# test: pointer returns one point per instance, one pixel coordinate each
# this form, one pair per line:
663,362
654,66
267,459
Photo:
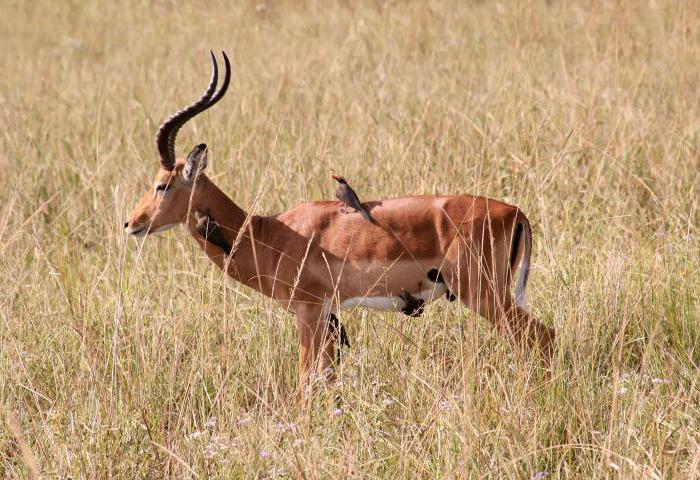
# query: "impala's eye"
162,187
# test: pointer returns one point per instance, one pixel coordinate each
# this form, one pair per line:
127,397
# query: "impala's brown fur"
313,257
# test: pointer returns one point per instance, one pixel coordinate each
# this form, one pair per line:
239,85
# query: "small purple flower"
211,423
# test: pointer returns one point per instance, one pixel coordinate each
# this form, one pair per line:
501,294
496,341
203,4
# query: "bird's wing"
356,203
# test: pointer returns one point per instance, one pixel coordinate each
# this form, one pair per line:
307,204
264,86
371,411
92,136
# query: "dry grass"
129,360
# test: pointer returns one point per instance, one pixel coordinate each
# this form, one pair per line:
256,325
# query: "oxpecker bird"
347,195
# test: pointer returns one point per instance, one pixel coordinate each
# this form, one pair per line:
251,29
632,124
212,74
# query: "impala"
316,260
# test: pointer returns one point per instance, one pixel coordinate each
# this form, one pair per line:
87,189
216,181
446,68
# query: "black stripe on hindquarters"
514,246
338,332
208,229
434,275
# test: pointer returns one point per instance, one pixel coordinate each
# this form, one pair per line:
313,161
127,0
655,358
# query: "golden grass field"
124,358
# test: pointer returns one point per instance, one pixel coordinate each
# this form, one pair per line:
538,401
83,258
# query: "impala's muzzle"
142,229
136,230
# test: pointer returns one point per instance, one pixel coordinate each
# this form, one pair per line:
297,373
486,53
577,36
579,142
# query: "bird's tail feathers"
366,214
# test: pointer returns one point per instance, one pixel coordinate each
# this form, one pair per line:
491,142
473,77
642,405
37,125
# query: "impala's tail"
522,249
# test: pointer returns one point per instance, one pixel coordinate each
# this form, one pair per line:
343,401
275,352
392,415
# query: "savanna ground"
124,358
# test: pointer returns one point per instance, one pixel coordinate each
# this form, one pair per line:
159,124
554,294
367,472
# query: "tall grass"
123,358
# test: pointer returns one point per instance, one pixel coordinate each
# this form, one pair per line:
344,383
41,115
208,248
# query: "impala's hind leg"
485,290
525,329
508,318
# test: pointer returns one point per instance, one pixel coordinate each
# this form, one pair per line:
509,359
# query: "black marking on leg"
413,306
434,275
414,312
339,334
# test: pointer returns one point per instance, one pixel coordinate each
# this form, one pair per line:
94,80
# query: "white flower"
622,391
277,471
242,421
539,475
285,427
298,442
196,434
264,454
217,446
657,381
338,411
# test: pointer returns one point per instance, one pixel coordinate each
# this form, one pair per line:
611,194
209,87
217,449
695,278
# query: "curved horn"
224,86
165,138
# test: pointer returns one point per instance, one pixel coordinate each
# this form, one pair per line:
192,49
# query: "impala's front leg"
316,347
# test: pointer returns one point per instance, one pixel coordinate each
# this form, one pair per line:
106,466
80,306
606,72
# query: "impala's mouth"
137,232
143,231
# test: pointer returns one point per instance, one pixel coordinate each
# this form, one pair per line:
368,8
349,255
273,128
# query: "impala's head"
166,203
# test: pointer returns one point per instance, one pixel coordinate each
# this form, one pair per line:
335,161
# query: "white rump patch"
521,295
521,300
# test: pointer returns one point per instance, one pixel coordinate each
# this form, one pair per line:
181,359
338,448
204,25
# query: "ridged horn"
167,132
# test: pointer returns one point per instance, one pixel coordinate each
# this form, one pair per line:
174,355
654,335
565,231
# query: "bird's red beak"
334,177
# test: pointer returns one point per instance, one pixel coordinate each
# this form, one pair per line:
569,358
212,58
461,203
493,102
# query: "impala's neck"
215,203
209,199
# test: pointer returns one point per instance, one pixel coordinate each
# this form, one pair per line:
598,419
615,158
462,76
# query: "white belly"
395,303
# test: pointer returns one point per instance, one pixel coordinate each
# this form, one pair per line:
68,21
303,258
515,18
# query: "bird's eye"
162,187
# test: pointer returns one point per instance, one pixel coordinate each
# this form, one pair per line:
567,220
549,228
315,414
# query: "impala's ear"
196,162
